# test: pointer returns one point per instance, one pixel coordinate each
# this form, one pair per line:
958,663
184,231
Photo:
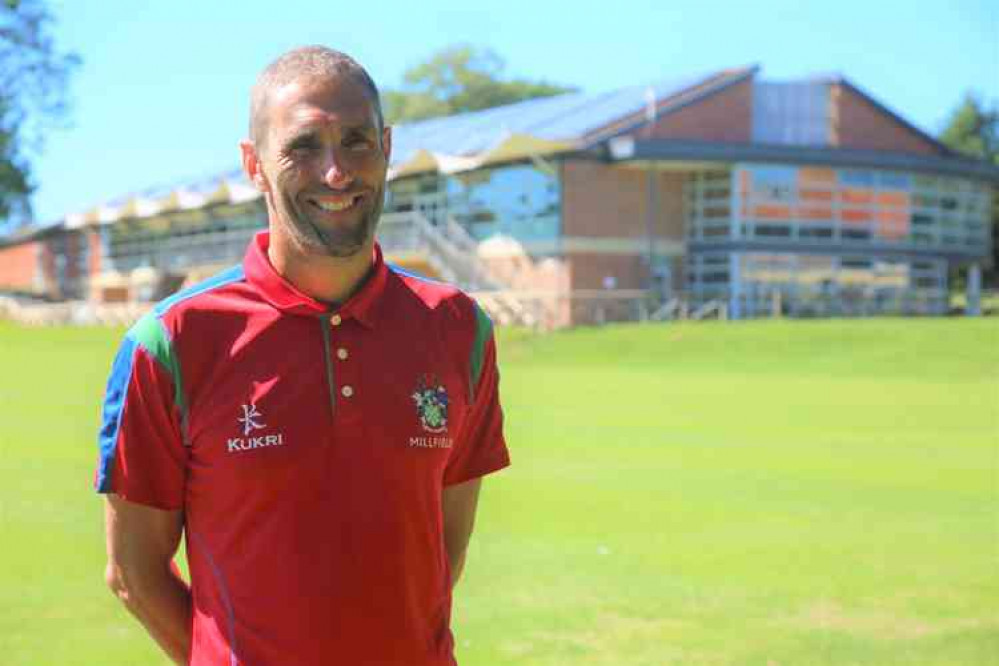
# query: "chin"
340,245
343,251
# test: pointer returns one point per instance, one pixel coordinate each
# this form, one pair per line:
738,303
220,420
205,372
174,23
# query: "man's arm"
460,501
141,543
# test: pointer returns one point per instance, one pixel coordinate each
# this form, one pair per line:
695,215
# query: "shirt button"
335,320
342,354
347,391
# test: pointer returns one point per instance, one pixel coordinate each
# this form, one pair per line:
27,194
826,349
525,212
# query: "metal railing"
539,310
72,313
447,247
182,251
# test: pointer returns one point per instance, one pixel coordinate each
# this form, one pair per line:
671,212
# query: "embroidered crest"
431,403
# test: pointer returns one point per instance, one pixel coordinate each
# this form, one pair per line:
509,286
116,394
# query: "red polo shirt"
308,449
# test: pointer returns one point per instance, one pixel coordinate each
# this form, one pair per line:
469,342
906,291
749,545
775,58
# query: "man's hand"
459,504
141,543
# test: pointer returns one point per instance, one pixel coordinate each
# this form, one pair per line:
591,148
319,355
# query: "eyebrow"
312,133
298,137
364,127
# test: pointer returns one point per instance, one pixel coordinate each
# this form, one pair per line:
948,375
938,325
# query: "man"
314,422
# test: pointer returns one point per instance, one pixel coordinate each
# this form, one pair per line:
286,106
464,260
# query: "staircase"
452,254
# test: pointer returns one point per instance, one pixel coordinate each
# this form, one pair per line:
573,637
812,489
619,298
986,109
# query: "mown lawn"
752,493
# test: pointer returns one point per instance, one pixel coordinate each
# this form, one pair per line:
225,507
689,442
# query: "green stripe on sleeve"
151,334
483,331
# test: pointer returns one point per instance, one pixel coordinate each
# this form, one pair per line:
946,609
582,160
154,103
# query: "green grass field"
771,493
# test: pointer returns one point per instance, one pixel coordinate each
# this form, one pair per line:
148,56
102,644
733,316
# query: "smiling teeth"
333,207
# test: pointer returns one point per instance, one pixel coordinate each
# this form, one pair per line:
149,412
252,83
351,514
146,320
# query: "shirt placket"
335,353
326,324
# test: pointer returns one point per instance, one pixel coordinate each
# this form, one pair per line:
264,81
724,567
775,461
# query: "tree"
973,130
34,78
457,79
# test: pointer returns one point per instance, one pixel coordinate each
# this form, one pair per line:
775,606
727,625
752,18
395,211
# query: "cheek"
374,169
289,181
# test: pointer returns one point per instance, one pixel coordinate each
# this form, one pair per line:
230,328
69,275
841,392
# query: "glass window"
856,234
926,182
778,202
774,183
520,200
895,181
856,178
716,212
815,233
708,209
773,230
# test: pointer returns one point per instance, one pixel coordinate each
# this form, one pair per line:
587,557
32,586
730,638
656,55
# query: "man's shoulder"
428,290
155,330
436,296
455,311
199,291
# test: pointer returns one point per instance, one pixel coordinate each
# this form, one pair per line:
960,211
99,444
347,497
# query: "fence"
71,313
552,310
545,311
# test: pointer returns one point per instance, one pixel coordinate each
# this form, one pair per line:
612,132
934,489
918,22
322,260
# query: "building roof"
452,143
566,123
570,118
644,152
840,80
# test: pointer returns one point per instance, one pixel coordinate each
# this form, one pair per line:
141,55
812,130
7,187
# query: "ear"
387,144
252,167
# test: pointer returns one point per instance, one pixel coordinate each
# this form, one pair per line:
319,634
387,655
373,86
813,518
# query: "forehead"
331,103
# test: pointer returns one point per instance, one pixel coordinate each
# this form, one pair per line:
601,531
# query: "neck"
324,278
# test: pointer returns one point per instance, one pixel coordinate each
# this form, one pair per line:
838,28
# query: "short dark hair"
305,62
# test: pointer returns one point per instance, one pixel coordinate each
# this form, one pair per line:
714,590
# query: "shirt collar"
283,295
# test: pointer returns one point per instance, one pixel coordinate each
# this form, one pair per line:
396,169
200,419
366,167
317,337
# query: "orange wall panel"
853,216
772,212
816,176
821,214
815,195
893,198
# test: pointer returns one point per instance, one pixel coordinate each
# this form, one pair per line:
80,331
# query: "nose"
336,173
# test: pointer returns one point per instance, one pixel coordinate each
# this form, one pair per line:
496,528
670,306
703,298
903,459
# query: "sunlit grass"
753,493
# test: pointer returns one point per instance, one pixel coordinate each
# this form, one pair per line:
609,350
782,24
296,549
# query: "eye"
303,146
358,142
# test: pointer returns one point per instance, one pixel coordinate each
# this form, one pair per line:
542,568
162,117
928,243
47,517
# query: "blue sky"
162,94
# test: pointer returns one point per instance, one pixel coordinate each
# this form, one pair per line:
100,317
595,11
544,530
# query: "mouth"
336,204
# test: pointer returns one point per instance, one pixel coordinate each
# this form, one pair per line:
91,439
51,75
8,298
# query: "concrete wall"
857,123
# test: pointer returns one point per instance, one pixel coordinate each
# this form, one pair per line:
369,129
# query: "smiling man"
314,422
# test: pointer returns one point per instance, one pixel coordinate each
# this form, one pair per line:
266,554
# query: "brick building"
723,188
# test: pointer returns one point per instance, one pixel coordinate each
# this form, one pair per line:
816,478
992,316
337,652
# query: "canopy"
510,147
